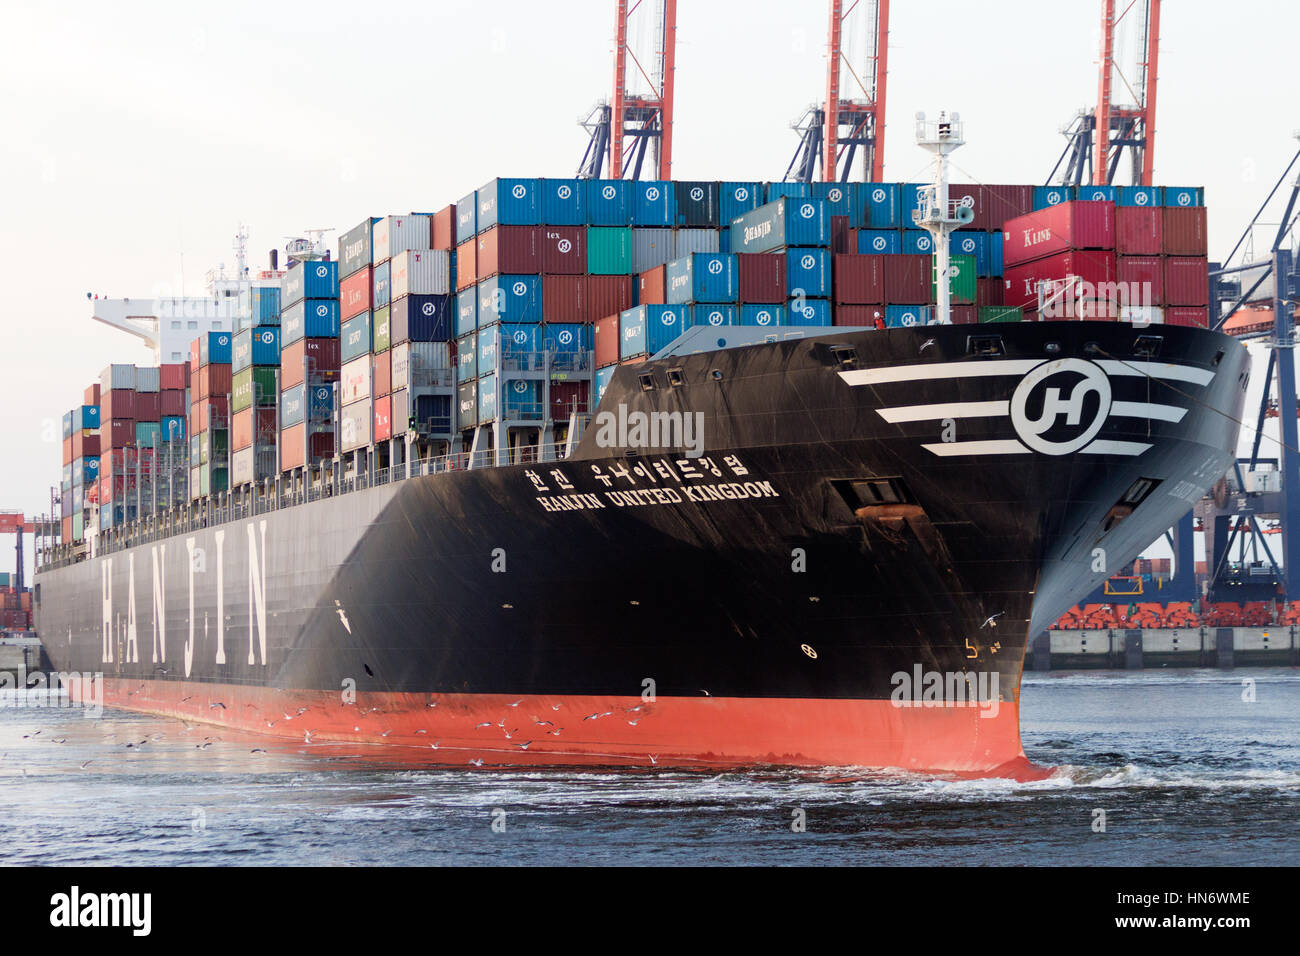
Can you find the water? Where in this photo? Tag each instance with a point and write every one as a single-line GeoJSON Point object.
{"type": "Point", "coordinates": [1185, 770]}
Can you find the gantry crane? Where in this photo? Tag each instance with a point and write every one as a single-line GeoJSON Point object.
{"type": "Point", "coordinates": [852, 117]}
{"type": "Point", "coordinates": [632, 124]}
{"type": "Point", "coordinates": [1126, 102]}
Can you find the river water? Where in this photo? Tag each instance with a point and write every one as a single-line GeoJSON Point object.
{"type": "Point", "coordinates": [1183, 766]}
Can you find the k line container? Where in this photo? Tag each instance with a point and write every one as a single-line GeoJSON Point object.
{"type": "Point", "coordinates": [1095, 268]}
{"type": "Point", "coordinates": [1049, 232]}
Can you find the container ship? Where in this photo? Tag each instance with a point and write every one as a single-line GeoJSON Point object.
{"type": "Point", "coordinates": [650, 473]}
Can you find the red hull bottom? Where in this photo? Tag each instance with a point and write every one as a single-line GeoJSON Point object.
{"type": "Point", "coordinates": [703, 732]}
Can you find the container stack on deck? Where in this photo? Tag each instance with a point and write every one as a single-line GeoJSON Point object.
{"type": "Point", "coordinates": [309, 365]}
{"type": "Point", "coordinates": [79, 488]}
{"type": "Point", "coordinates": [255, 373]}
{"type": "Point", "coordinates": [15, 605]}
{"type": "Point", "coordinates": [210, 418]}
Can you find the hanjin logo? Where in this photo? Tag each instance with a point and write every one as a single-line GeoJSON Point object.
{"type": "Point", "coordinates": [764, 317]}
{"type": "Point", "coordinates": [715, 266]}
{"type": "Point", "coordinates": [268, 337]}
{"type": "Point", "coordinates": [742, 194]}
{"type": "Point", "coordinates": [1184, 199]}
{"type": "Point", "coordinates": [521, 337]}
{"type": "Point", "coordinates": [322, 310]}
{"type": "Point", "coordinates": [520, 288]}
{"type": "Point", "coordinates": [1141, 199]}
{"type": "Point", "coordinates": [322, 271]}
{"type": "Point", "coordinates": [652, 193]}
{"type": "Point", "coordinates": [835, 195]}
{"type": "Point", "coordinates": [564, 245]}
{"type": "Point", "coordinates": [697, 194]}
{"type": "Point", "coordinates": [521, 386]}
{"type": "Point", "coordinates": [564, 192]}
{"type": "Point", "coordinates": [968, 244]}
{"type": "Point", "coordinates": [609, 192]}
{"type": "Point", "coordinates": [520, 191]}
{"type": "Point", "coordinates": [1084, 414]}
{"type": "Point", "coordinates": [808, 262]}
{"type": "Point", "coordinates": [565, 337]}
{"type": "Point", "coordinates": [807, 210]}
{"type": "Point", "coordinates": [1053, 198]}
{"type": "Point", "coordinates": [878, 195]}
{"type": "Point", "coordinates": [669, 318]}
{"type": "Point", "coordinates": [429, 308]}
{"type": "Point", "coordinates": [879, 243]}
{"type": "Point", "coordinates": [715, 318]}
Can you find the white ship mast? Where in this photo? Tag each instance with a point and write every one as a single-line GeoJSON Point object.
{"type": "Point", "coordinates": [934, 212]}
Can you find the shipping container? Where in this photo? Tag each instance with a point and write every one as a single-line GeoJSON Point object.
{"type": "Point", "coordinates": [715, 314]}
{"type": "Point", "coordinates": [975, 245]}
{"type": "Point", "coordinates": [381, 284]}
{"type": "Point", "coordinates": [355, 424]}
{"type": "Point", "coordinates": [795, 190]}
{"type": "Point", "coordinates": [1183, 231]}
{"type": "Point", "coordinates": [118, 378]}
{"type": "Point", "coordinates": [354, 380]}
{"type": "Point", "coordinates": [762, 315]}
{"type": "Point", "coordinates": [606, 339]}
{"type": "Point", "coordinates": [309, 319]}
{"type": "Point", "coordinates": [91, 394]}
{"type": "Point", "coordinates": [1139, 231]}
{"type": "Point", "coordinates": [395, 234]}
{"type": "Point", "coordinates": [562, 298]}
{"type": "Point", "coordinates": [962, 286]}
{"type": "Point", "coordinates": [650, 248]}
{"type": "Point", "coordinates": [906, 278]}
{"type": "Point", "coordinates": [317, 359]}
{"type": "Point", "coordinates": [1187, 281]}
{"type": "Point", "coordinates": [402, 413]}
{"type": "Point", "coordinates": [509, 202]}
{"type": "Point", "coordinates": [521, 400]}
{"type": "Point", "coordinates": [653, 203]}
{"type": "Point", "coordinates": [421, 318]}
{"type": "Point", "coordinates": [466, 219]}
{"type": "Point", "coordinates": [646, 329]}
{"type": "Point", "coordinates": [1197, 317]}
{"type": "Point", "coordinates": [420, 272]}
{"type": "Point", "coordinates": [487, 399]}
{"type": "Point", "coordinates": [381, 374]}
{"type": "Point", "coordinates": [905, 316]}
{"type": "Point", "coordinates": [1049, 232]}
{"type": "Point", "coordinates": [84, 418]}
{"type": "Point", "coordinates": [510, 298]}
{"type": "Point", "coordinates": [466, 312]}
{"type": "Point", "coordinates": [999, 313]}
{"type": "Point", "coordinates": [568, 398]}
{"type": "Point", "coordinates": [1048, 196]}
{"type": "Point", "coordinates": [702, 277]}
{"type": "Point", "coordinates": [301, 401]}
{"type": "Point", "coordinates": [879, 242]}
{"type": "Point", "coordinates": [1140, 196]}
{"type": "Point", "coordinates": [256, 346]}
{"type": "Point", "coordinates": [736, 199]}
{"type": "Point", "coordinates": [808, 272]}
{"type": "Point", "coordinates": [1096, 270]}
{"type": "Point", "coordinates": [381, 329]}
{"type": "Point", "coordinates": [786, 222]}
{"type": "Point", "coordinates": [607, 294]}
{"type": "Point", "coordinates": [466, 265]}
{"type": "Point", "coordinates": [296, 442]}
{"type": "Point", "coordinates": [563, 202]}
{"type": "Point", "coordinates": [356, 338]}
{"type": "Point", "coordinates": [860, 316]}
{"type": "Point", "coordinates": [1000, 203]}
{"type": "Point", "coordinates": [255, 385]}
{"type": "Point", "coordinates": [697, 204]}
{"type": "Point", "coordinates": [316, 279]}
{"type": "Point", "coordinates": [688, 241]}
{"type": "Point", "coordinates": [467, 358]}
{"type": "Point", "coordinates": [355, 294]}
{"type": "Point", "coordinates": [601, 382]}
{"type": "Point", "coordinates": [567, 338]}
{"type": "Point", "coordinates": [383, 419]}
{"type": "Point", "coordinates": [609, 251]}
{"type": "Point", "coordinates": [176, 376]}
{"type": "Point", "coordinates": [1097, 193]}
{"type": "Point", "coordinates": [917, 242]}
{"type": "Point", "coordinates": [801, 311]}
{"type": "Point", "coordinates": [467, 405]}
{"type": "Point", "coordinates": [1143, 277]}
{"type": "Point", "coordinates": [609, 202]}
{"type": "Point", "coordinates": [508, 249]}
{"type": "Point", "coordinates": [836, 196]}
{"type": "Point", "coordinates": [444, 229]}
{"type": "Point", "coordinates": [564, 250]}
{"type": "Point", "coordinates": [760, 277]}
{"type": "Point", "coordinates": [213, 380]}
{"type": "Point", "coordinates": [252, 425]}
{"type": "Point", "coordinates": [859, 280]}
{"type": "Point", "coordinates": [877, 206]}
{"type": "Point", "coordinates": [1175, 196]}
{"type": "Point", "coordinates": [355, 248]}
{"type": "Point", "coordinates": [147, 379]}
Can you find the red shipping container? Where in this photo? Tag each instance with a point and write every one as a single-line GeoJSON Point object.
{"type": "Point", "coordinates": [210, 413]}
{"type": "Point", "coordinates": [1188, 315]}
{"type": "Point", "coordinates": [172, 402]}
{"type": "Point", "coordinates": [117, 403]}
{"type": "Point", "coordinates": [381, 369]}
{"type": "Point", "coordinates": [250, 424]}
{"type": "Point", "coordinates": [194, 357]}
{"type": "Point", "coordinates": [568, 397]}
{"type": "Point", "coordinates": [510, 250]}
{"type": "Point", "coordinates": [1183, 231]}
{"type": "Point", "coordinates": [318, 445]}
{"type": "Point", "coordinates": [1057, 229]}
{"type": "Point", "coordinates": [965, 315]}
{"type": "Point", "coordinates": [988, 289]}
{"type": "Point", "coordinates": [1094, 267]}
{"type": "Point", "coordinates": [840, 240]}
{"type": "Point", "coordinates": [859, 280]}
{"type": "Point", "coordinates": [760, 277]}
{"type": "Point", "coordinates": [84, 446]}
{"type": "Point", "coordinates": [1139, 230]}
{"type": "Point", "coordinates": [564, 250]}
{"type": "Point", "coordinates": [907, 279]}
{"type": "Point", "coordinates": [997, 204]}
{"type": "Point", "coordinates": [864, 316]}
{"type": "Point", "coordinates": [213, 380]}
{"type": "Point", "coordinates": [1187, 281]}
{"type": "Point", "coordinates": [383, 418]}
{"type": "Point", "coordinates": [322, 361]}
{"type": "Point", "coordinates": [442, 233]}
{"type": "Point", "coordinates": [175, 377]}
{"type": "Point", "coordinates": [91, 395]}
{"type": "Point", "coordinates": [148, 406]}
{"type": "Point", "coordinates": [606, 295]}
{"type": "Point", "coordinates": [466, 264]}
{"type": "Point", "coordinates": [67, 451]}
{"type": "Point", "coordinates": [1147, 274]}
{"type": "Point", "coordinates": [562, 299]}
{"type": "Point", "coordinates": [120, 433]}
{"type": "Point", "coordinates": [354, 294]}
{"type": "Point", "coordinates": [606, 338]}
{"type": "Point", "coordinates": [652, 286]}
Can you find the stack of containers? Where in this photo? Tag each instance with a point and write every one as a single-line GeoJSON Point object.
{"type": "Point", "coordinates": [309, 350]}
{"type": "Point", "coordinates": [412, 366]}
{"type": "Point", "coordinates": [79, 487]}
{"type": "Point", "coordinates": [255, 370]}
{"type": "Point", "coordinates": [118, 462]}
{"type": "Point", "coordinates": [1160, 236]}
{"type": "Point", "coordinates": [174, 384]}
{"type": "Point", "coordinates": [798, 229]}
{"type": "Point", "coordinates": [1075, 238]}
{"type": "Point", "coordinates": [210, 387]}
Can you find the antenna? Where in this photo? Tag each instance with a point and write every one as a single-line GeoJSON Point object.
{"type": "Point", "coordinates": [934, 212]}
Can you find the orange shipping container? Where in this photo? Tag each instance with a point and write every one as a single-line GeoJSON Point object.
{"type": "Point", "coordinates": [383, 419]}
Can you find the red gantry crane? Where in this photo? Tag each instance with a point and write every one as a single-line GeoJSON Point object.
{"type": "Point", "coordinates": [638, 119]}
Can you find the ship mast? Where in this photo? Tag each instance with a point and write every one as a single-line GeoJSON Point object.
{"type": "Point", "coordinates": [934, 212]}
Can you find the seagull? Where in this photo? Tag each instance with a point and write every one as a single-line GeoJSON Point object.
{"type": "Point", "coordinates": [927, 344]}
{"type": "Point", "coordinates": [271, 723]}
{"type": "Point", "coordinates": [478, 762]}
{"type": "Point", "coordinates": [705, 692]}
{"type": "Point", "coordinates": [184, 699]}
{"type": "Point", "coordinates": [637, 708]}
{"type": "Point", "coordinates": [486, 723]}
{"type": "Point", "coordinates": [543, 723]}
{"type": "Point", "coordinates": [216, 705]}
{"type": "Point", "coordinates": [525, 746]}
{"type": "Point", "coordinates": [992, 620]}
{"type": "Point", "coordinates": [633, 723]}
{"type": "Point", "coordinates": [421, 731]}
{"type": "Point", "coordinates": [203, 746]}
{"type": "Point", "coordinates": [434, 745]}
{"type": "Point", "coordinates": [306, 738]}
{"type": "Point", "coordinates": [556, 707]}
{"type": "Point", "coordinates": [597, 716]}
{"type": "Point", "coordinates": [385, 733]}
{"type": "Point", "coordinates": [60, 740]}
{"type": "Point", "coordinates": [433, 703]}
{"type": "Point", "coordinates": [257, 750]}
{"type": "Point", "coordinates": [86, 764]}
{"type": "Point", "coordinates": [654, 761]}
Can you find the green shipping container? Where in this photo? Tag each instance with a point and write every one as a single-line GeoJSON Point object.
{"type": "Point", "coordinates": [78, 526]}
{"type": "Point", "coordinates": [383, 331]}
{"type": "Point", "coordinates": [213, 480]}
{"type": "Point", "coordinates": [609, 251]}
{"type": "Point", "coordinates": [963, 280]}
{"type": "Point", "coordinates": [214, 445]}
{"type": "Point", "coordinates": [1000, 313]}
{"type": "Point", "coordinates": [255, 385]}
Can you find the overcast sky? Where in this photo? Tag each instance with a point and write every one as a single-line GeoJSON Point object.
{"type": "Point", "coordinates": [138, 136]}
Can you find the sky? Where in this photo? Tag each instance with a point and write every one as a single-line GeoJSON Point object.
{"type": "Point", "coordinates": [139, 136]}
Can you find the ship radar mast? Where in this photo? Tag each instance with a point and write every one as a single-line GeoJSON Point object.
{"type": "Point", "coordinates": [934, 212]}
{"type": "Point", "coordinates": [307, 250]}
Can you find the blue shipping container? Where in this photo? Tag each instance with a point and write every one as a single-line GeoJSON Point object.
{"type": "Point", "coordinates": [702, 277]}
{"type": "Point", "coordinates": [736, 199]}
{"type": "Point", "coordinates": [522, 399]}
{"type": "Point", "coordinates": [1045, 196]}
{"type": "Point", "coordinates": [318, 279]}
{"type": "Point", "coordinates": [467, 358]}
{"type": "Point", "coordinates": [172, 428]}
{"type": "Point", "coordinates": [917, 242]}
{"type": "Point", "coordinates": [487, 398]}
{"type": "Point", "coordinates": [467, 218]}
{"type": "Point", "coordinates": [521, 338]}
{"type": "Point", "coordinates": [1141, 196]}
{"type": "Point", "coordinates": [485, 343]}
{"type": "Point", "coordinates": [1095, 193]}
{"type": "Point", "coordinates": [717, 315]}
{"type": "Point", "coordinates": [974, 244]}
{"type": "Point", "coordinates": [763, 316]}
{"type": "Point", "coordinates": [609, 202]}
{"type": "Point", "coordinates": [777, 191]}
{"type": "Point", "coordinates": [808, 312]}
{"type": "Point", "coordinates": [148, 434]}
{"type": "Point", "coordinates": [648, 328]}
{"type": "Point", "coordinates": [510, 202]}
{"type": "Point", "coordinates": [904, 316]}
{"type": "Point", "coordinates": [879, 242]}
{"type": "Point", "coordinates": [808, 270]}
{"type": "Point", "coordinates": [265, 304]}
{"type": "Point", "coordinates": [563, 202]}
{"type": "Point", "coordinates": [837, 196]}
{"type": "Point", "coordinates": [510, 298]}
{"type": "Point", "coordinates": [877, 206]}
{"type": "Point", "coordinates": [785, 222]}
{"type": "Point", "coordinates": [996, 244]}
{"type": "Point", "coordinates": [467, 311]}
{"type": "Point", "coordinates": [381, 290]}
{"type": "Point", "coordinates": [567, 337]}
{"type": "Point", "coordinates": [603, 375]}
{"type": "Point", "coordinates": [309, 318]}
{"type": "Point", "coordinates": [214, 348]}
{"type": "Point", "coordinates": [1184, 196]}
{"type": "Point", "coordinates": [654, 203]}
{"type": "Point", "coordinates": [356, 337]}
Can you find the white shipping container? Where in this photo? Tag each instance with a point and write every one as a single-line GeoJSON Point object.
{"type": "Point", "coordinates": [651, 248]}
{"type": "Point", "coordinates": [394, 234]}
{"type": "Point", "coordinates": [148, 379]}
{"type": "Point", "coordinates": [117, 376]}
{"type": "Point", "coordinates": [1140, 315]}
{"type": "Point", "coordinates": [241, 467]}
{"type": "Point", "coordinates": [687, 241]}
{"type": "Point", "coordinates": [420, 272]}
{"type": "Point", "coordinates": [354, 380]}
{"type": "Point", "coordinates": [401, 365]}
{"type": "Point", "coordinates": [355, 422]}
